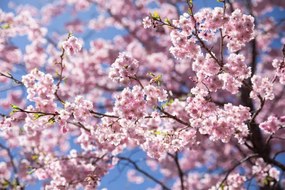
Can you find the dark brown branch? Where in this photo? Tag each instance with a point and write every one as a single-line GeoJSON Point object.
{"type": "Point", "coordinates": [180, 172]}
{"type": "Point", "coordinates": [273, 104]}
{"type": "Point", "coordinates": [164, 187]}
{"type": "Point", "coordinates": [15, 170]}
{"type": "Point", "coordinates": [234, 167]}
{"type": "Point", "coordinates": [103, 115]}
{"type": "Point", "coordinates": [278, 153]}
{"type": "Point", "coordinates": [173, 117]}
{"type": "Point", "coordinates": [60, 63]}
{"type": "Point", "coordinates": [276, 163]}
{"type": "Point", "coordinates": [137, 80]}
{"type": "Point", "coordinates": [80, 125]}
{"type": "Point", "coordinates": [35, 112]}
{"type": "Point", "coordinates": [262, 102]}
{"type": "Point", "coordinates": [9, 76]}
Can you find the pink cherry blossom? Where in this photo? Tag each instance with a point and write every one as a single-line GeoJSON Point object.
{"type": "Point", "coordinates": [72, 45]}
{"type": "Point", "coordinates": [173, 94]}
{"type": "Point", "coordinates": [271, 125]}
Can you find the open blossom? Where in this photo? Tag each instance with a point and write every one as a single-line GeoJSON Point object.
{"type": "Point", "coordinates": [35, 56]}
{"type": "Point", "coordinates": [80, 109]}
{"type": "Point", "coordinates": [4, 171]}
{"type": "Point", "coordinates": [72, 45]}
{"type": "Point", "coordinates": [5, 123]}
{"type": "Point", "coordinates": [183, 47]}
{"type": "Point", "coordinates": [279, 65]}
{"type": "Point", "coordinates": [155, 94]}
{"type": "Point", "coordinates": [123, 68]}
{"type": "Point", "coordinates": [41, 89]}
{"type": "Point", "coordinates": [130, 104]}
{"type": "Point", "coordinates": [219, 124]}
{"type": "Point", "coordinates": [234, 181]}
{"type": "Point", "coordinates": [230, 83]}
{"type": "Point", "coordinates": [236, 66]}
{"type": "Point", "coordinates": [270, 125]}
{"type": "Point", "coordinates": [239, 29]}
{"type": "Point", "coordinates": [147, 22]}
{"type": "Point", "coordinates": [205, 66]}
{"type": "Point", "coordinates": [261, 87]}
{"type": "Point", "coordinates": [41, 174]}
{"type": "Point", "coordinates": [262, 170]}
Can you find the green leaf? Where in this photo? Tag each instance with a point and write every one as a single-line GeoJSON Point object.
{"type": "Point", "coordinates": [155, 16]}
{"type": "Point", "coordinates": [151, 74]}
{"type": "Point", "coordinates": [14, 183]}
{"type": "Point", "coordinates": [167, 21]}
{"type": "Point", "coordinates": [15, 107]}
{"type": "Point", "coordinates": [31, 171]}
{"type": "Point", "coordinates": [190, 11]}
{"type": "Point", "coordinates": [267, 180]}
{"type": "Point", "coordinates": [190, 2]}
{"type": "Point", "coordinates": [222, 186]}
{"type": "Point", "coordinates": [51, 120]}
{"type": "Point", "coordinates": [155, 132]}
{"type": "Point", "coordinates": [35, 157]}
{"type": "Point", "coordinates": [168, 103]}
{"type": "Point", "coordinates": [5, 183]}
{"type": "Point", "coordinates": [157, 79]}
{"type": "Point", "coordinates": [38, 115]}
{"type": "Point", "coordinates": [6, 26]}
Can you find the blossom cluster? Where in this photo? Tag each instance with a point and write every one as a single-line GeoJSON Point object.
{"type": "Point", "coordinates": [234, 181]}
{"type": "Point", "coordinates": [262, 87]}
{"type": "Point", "coordinates": [123, 68]}
{"type": "Point", "coordinates": [271, 125]}
{"type": "Point", "coordinates": [264, 172]}
{"type": "Point", "coordinates": [59, 171]}
{"type": "Point", "coordinates": [279, 65]}
{"type": "Point", "coordinates": [130, 103]}
{"type": "Point", "coordinates": [79, 110]}
{"type": "Point", "coordinates": [154, 94]}
{"type": "Point", "coordinates": [190, 115]}
{"type": "Point", "coordinates": [72, 45]}
{"type": "Point", "coordinates": [211, 71]}
{"type": "Point", "coordinates": [239, 29]}
{"type": "Point", "coordinates": [219, 124]}
{"type": "Point", "coordinates": [40, 89]}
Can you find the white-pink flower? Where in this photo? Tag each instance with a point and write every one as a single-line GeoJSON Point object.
{"type": "Point", "coordinates": [147, 22]}
{"type": "Point", "coordinates": [72, 45]}
{"type": "Point", "coordinates": [271, 125]}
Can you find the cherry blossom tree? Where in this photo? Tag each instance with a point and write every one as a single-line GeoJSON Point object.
{"type": "Point", "coordinates": [200, 90]}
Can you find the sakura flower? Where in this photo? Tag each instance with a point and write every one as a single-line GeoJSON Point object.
{"type": "Point", "coordinates": [261, 87]}
{"type": "Point", "coordinates": [270, 125]}
{"type": "Point", "coordinates": [279, 65]}
{"type": "Point", "coordinates": [147, 22]}
{"type": "Point", "coordinates": [263, 170]}
{"type": "Point", "coordinates": [130, 104]}
{"type": "Point", "coordinates": [72, 45]}
{"type": "Point", "coordinates": [155, 94]}
{"type": "Point", "coordinates": [123, 68]}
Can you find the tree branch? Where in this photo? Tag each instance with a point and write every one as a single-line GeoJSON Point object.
{"type": "Point", "coordinates": [164, 187]}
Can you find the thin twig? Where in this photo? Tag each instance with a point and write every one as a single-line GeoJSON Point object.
{"type": "Point", "coordinates": [12, 164]}
{"type": "Point", "coordinates": [234, 167]}
{"type": "Point", "coordinates": [164, 187]}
